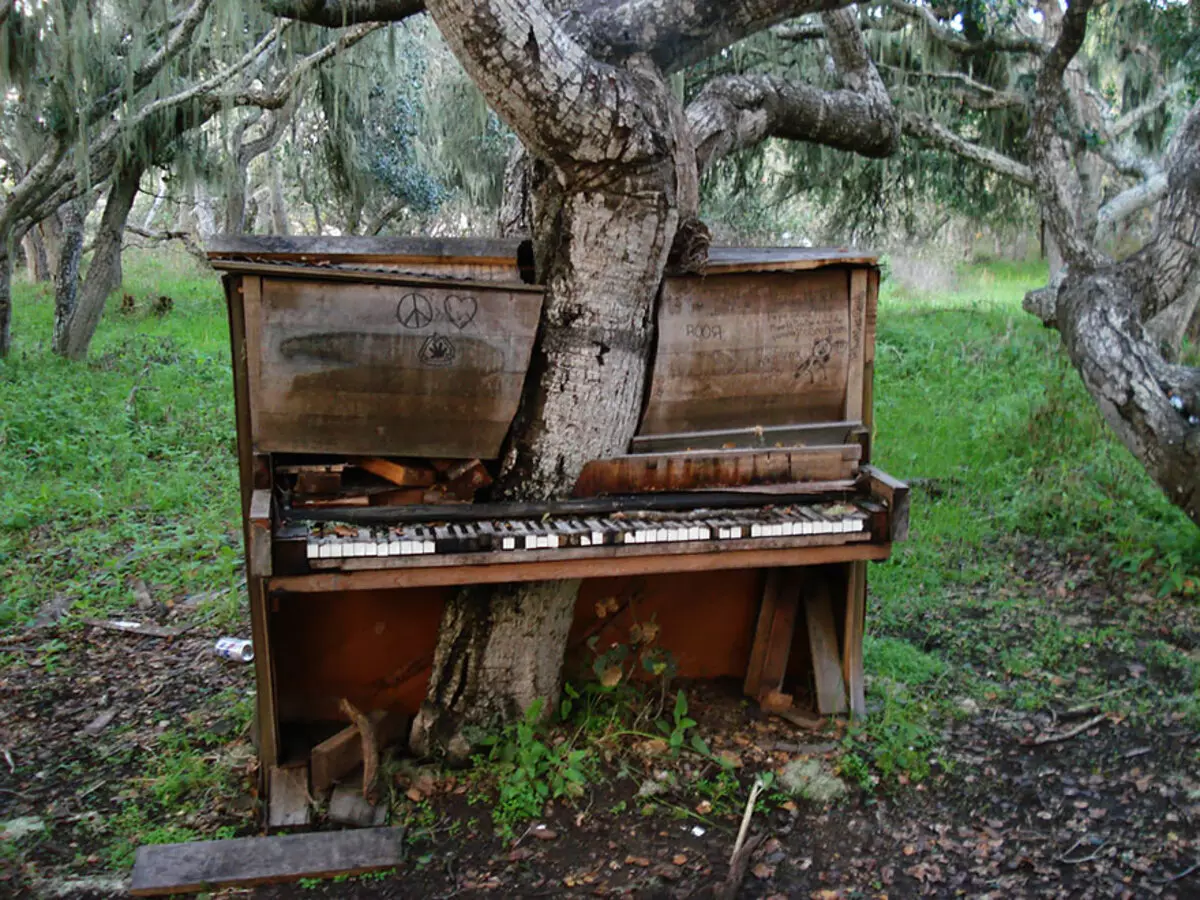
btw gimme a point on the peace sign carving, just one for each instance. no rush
(414, 310)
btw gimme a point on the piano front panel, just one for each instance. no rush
(385, 369)
(755, 349)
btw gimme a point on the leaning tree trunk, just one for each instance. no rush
(66, 277)
(608, 215)
(37, 263)
(73, 335)
(500, 648)
(5, 302)
(1152, 404)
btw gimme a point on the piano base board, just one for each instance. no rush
(483, 568)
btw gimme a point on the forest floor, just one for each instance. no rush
(1033, 651)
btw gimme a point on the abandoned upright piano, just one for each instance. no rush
(375, 382)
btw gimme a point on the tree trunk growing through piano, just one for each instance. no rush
(613, 191)
(607, 214)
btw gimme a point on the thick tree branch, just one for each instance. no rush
(565, 105)
(1136, 116)
(1163, 267)
(955, 40)
(1127, 203)
(1048, 156)
(738, 111)
(931, 132)
(676, 35)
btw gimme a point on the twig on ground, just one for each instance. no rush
(755, 790)
(737, 867)
(1179, 876)
(12, 767)
(742, 848)
(1066, 857)
(1069, 733)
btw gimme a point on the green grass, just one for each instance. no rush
(124, 466)
(978, 404)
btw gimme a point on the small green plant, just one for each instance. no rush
(679, 725)
(532, 768)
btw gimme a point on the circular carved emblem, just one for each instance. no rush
(414, 311)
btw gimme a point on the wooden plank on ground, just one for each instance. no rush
(783, 628)
(161, 869)
(762, 634)
(342, 753)
(826, 658)
(287, 802)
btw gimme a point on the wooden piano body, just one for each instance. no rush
(757, 413)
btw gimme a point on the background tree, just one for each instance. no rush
(98, 93)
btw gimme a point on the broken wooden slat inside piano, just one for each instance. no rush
(376, 380)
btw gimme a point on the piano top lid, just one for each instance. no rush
(359, 249)
(729, 260)
(239, 253)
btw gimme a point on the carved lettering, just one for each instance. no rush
(704, 332)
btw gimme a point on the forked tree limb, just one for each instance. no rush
(738, 111)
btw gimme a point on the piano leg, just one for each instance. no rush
(852, 649)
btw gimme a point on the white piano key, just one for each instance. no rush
(597, 538)
(429, 547)
(313, 550)
(335, 550)
(509, 543)
(585, 540)
(381, 549)
(755, 531)
(326, 550)
(552, 541)
(393, 548)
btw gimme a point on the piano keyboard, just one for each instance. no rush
(328, 541)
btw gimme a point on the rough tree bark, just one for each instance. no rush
(622, 168)
(5, 302)
(66, 277)
(613, 177)
(37, 263)
(81, 314)
(1152, 405)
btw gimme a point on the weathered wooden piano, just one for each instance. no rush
(375, 382)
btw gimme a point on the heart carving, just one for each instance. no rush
(461, 310)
